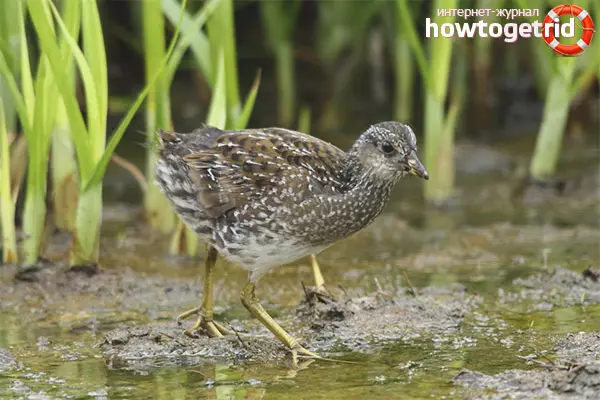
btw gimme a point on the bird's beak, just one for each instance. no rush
(417, 169)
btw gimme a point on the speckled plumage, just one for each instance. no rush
(266, 197)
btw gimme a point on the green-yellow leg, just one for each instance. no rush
(251, 303)
(319, 281)
(205, 320)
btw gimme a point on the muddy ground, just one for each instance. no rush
(572, 372)
(355, 322)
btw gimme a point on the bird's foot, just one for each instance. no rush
(208, 326)
(301, 351)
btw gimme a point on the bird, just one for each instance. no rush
(262, 198)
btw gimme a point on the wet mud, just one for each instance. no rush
(7, 360)
(361, 324)
(57, 292)
(554, 287)
(572, 371)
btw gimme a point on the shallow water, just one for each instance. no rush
(483, 244)
(419, 368)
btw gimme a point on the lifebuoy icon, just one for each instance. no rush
(568, 49)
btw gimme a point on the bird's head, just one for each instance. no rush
(388, 151)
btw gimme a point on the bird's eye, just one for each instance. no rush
(387, 148)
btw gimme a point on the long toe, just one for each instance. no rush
(187, 314)
(221, 328)
(209, 328)
(299, 350)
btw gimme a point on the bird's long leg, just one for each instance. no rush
(251, 303)
(321, 289)
(205, 320)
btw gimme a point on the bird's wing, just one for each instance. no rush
(270, 165)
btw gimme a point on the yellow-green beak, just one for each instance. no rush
(417, 169)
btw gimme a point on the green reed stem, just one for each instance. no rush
(221, 34)
(63, 163)
(158, 112)
(556, 109)
(7, 205)
(279, 20)
(439, 135)
(64, 172)
(405, 81)
(561, 88)
(10, 42)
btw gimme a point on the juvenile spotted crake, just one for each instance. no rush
(262, 198)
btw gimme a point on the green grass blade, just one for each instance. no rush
(556, 110)
(153, 29)
(592, 68)
(26, 78)
(49, 47)
(7, 205)
(221, 33)
(92, 97)
(10, 35)
(278, 20)
(410, 31)
(217, 113)
(157, 111)
(95, 55)
(38, 141)
(16, 95)
(63, 164)
(440, 52)
(191, 35)
(120, 131)
(244, 117)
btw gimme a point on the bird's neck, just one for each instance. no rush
(359, 178)
(362, 199)
(364, 189)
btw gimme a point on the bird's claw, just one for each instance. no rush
(210, 327)
(301, 351)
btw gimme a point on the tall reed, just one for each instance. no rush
(63, 163)
(7, 204)
(278, 20)
(221, 34)
(561, 88)
(158, 111)
(10, 43)
(404, 71)
(93, 153)
(35, 102)
(439, 123)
